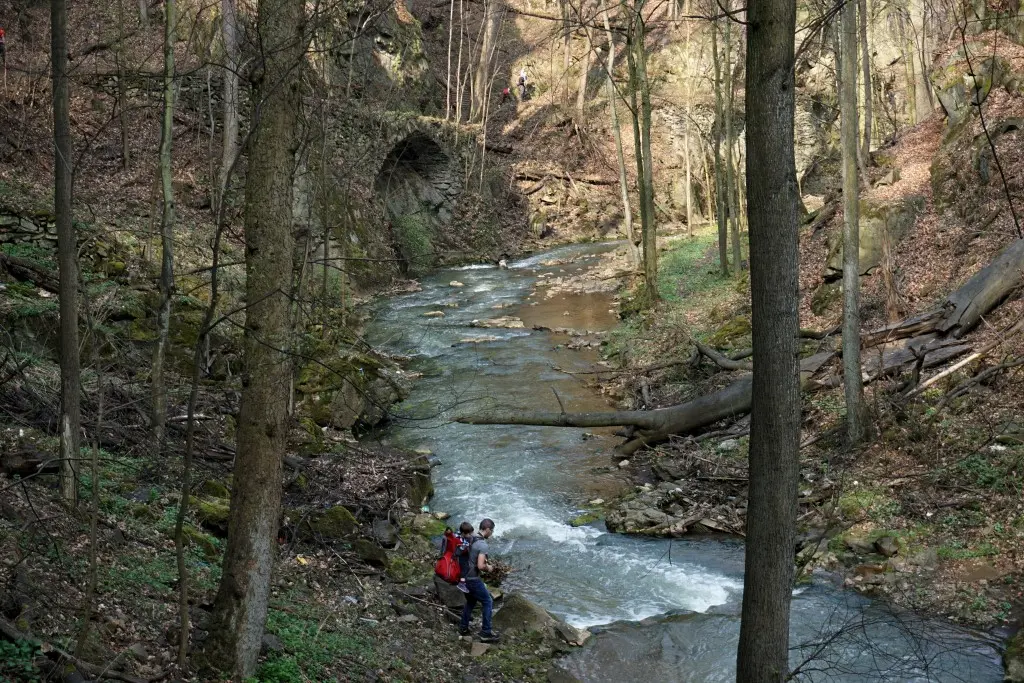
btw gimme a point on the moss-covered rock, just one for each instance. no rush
(1013, 659)
(401, 569)
(827, 295)
(214, 489)
(427, 525)
(731, 332)
(370, 553)
(335, 523)
(878, 223)
(584, 519)
(213, 513)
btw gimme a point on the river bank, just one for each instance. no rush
(937, 536)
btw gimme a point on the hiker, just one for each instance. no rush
(522, 83)
(477, 590)
(462, 554)
(505, 95)
(3, 48)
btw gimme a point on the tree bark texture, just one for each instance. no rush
(720, 194)
(67, 259)
(851, 228)
(482, 75)
(158, 383)
(731, 181)
(240, 607)
(229, 143)
(865, 66)
(775, 394)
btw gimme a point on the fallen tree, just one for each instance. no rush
(925, 340)
(653, 425)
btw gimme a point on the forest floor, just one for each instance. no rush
(341, 607)
(926, 514)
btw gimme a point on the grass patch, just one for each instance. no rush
(686, 272)
(958, 550)
(867, 503)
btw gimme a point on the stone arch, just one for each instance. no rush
(418, 184)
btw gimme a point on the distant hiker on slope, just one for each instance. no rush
(477, 562)
(522, 83)
(3, 48)
(505, 95)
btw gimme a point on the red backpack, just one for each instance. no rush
(447, 567)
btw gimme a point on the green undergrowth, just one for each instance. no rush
(688, 272)
(316, 647)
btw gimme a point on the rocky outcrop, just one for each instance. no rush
(520, 615)
(881, 227)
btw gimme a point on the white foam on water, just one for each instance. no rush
(475, 266)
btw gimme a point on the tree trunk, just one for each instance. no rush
(688, 113)
(481, 78)
(581, 95)
(720, 194)
(907, 48)
(240, 607)
(865, 66)
(774, 283)
(229, 146)
(731, 196)
(144, 13)
(122, 89)
(650, 231)
(158, 383)
(67, 259)
(448, 71)
(627, 209)
(638, 156)
(851, 230)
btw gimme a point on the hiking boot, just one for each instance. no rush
(463, 631)
(462, 587)
(489, 637)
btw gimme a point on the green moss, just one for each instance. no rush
(333, 524)
(214, 489)
(401, 569)
(730, 332)
(584, 519)
(825, 297)
(866, 502)
(212, 513)
(415, 242)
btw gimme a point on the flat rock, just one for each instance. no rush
(455, 283)
(478, 649)
(448, 594)
(434, 314)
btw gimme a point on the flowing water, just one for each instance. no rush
(661, 611)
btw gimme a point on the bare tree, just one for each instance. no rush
(613, 95)
(67, 259)
(775, 396)
(229, 147)
(720, 193)
(865, 65)
(159, 385)
(731, 181)
(240, 608)
(851, 231)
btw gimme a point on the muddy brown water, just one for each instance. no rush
(660, 610)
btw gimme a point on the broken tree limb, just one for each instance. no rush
(1013, 329)
(561, 175)
(27, 271)
(984, 291)
(719, 359)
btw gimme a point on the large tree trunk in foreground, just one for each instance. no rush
(240, 607)
(67, 259)
(775, 323)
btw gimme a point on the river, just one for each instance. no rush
(660, 610)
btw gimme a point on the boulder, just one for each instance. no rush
(887, 546)
(385, 533)
(332, 524)
(448, 594)
(520, 615)
(370, 553)
(890, 222)
(213, 513)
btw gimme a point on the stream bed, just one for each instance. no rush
(660, 610)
